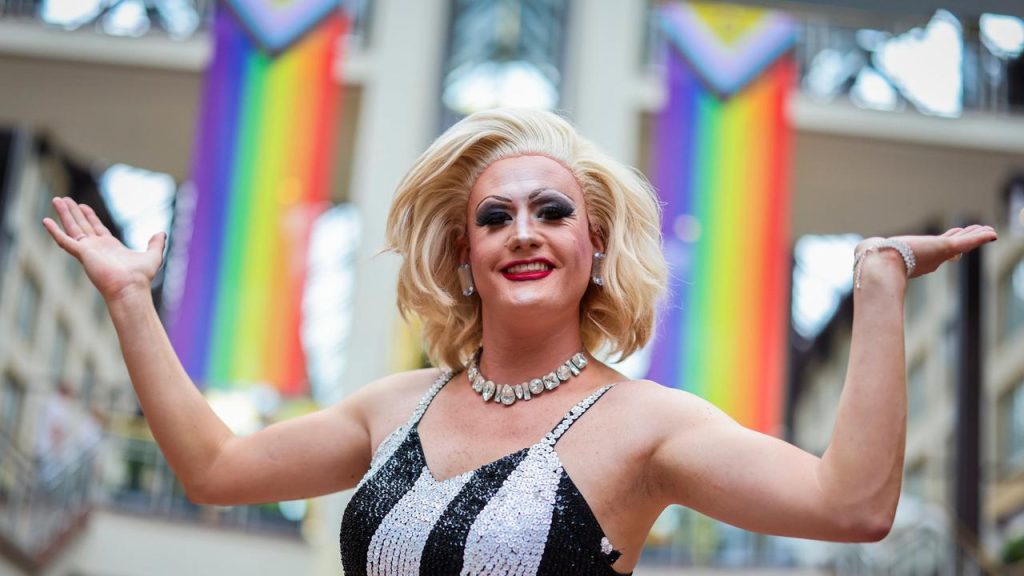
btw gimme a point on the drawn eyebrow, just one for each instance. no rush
(494, 197)
(533, 195)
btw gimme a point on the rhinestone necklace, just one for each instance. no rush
(507, 394)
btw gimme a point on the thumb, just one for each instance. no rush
(157, 242)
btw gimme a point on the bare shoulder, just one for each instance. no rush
(387, 402)
(653, 398)
(665, 410)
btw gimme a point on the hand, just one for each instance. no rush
(931, 251)
(111, 266)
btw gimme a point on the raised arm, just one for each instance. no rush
(316, 454)
(758, 482)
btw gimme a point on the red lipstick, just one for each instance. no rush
(526, 275)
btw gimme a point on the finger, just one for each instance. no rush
(83, 222)
(157, 242)
(984, 233)
(67, 220)
(94, 220)
(971, 240)
(968, 230)
(62, 239)
(951, 232)
(989, 234)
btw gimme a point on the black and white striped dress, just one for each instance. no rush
(521, 514)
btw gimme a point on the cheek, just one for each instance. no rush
(484, 249)
(586, 248)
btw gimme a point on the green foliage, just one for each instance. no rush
(1013, 550)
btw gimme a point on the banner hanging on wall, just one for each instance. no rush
(720, 163)
(260, 177)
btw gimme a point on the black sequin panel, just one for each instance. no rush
(575, 542)
(372, 501)
(443, 553)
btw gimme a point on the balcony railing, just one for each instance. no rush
(136, 479)
(944, 64)
(175, 19)
(104, 459)
(42, 502)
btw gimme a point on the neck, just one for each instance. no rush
(514, 353)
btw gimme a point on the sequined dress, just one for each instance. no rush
(521, 514)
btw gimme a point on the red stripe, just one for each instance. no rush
(320, 106)
(776, 249)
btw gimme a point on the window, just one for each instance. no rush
(917, 395)
(99, 307)
(1011, 429)
(60, 349)
(72, 268)
(88, 382)
(914, 484)
(11, 397)
(44, 207)
(503, 54)
(28, 308)
(951, 356)
(917, 299)
(1011, 291)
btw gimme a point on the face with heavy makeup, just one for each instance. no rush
(529, 239)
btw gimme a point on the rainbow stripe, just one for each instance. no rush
(720, 166)
(261, 174)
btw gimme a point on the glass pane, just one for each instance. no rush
(28, 308)
(60, 349)
(44, 207)
(917, 395)
(1014, 295)
(917, 298)
(72, 268)
(10, 405)
(1011, 410)
(88, 382)
(915, 481)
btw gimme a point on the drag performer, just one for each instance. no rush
(525, 251)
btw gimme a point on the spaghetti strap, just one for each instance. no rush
(428, 397)
(574, 414)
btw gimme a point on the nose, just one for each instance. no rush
(523, 234)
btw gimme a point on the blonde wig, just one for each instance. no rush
(428, 217)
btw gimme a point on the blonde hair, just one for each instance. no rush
(428, 217)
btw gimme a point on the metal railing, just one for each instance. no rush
(42, 503)
(136, 479)
(174, 18)
(849, 41)
(106, 460)
(922, 546)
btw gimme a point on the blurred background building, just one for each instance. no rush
(906, 116)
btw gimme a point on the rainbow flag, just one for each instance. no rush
(720, 163)
(260, 172)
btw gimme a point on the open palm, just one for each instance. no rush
(931, 251)
(110, 265)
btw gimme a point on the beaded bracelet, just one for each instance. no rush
(900, 246)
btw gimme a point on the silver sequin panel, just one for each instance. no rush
(397, 545)
(509, 535)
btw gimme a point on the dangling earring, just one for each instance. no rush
(597, 269)
(466, 280)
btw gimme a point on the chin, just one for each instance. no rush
(539, 300)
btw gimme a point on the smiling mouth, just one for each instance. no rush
(527, 268)
(527, 271)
